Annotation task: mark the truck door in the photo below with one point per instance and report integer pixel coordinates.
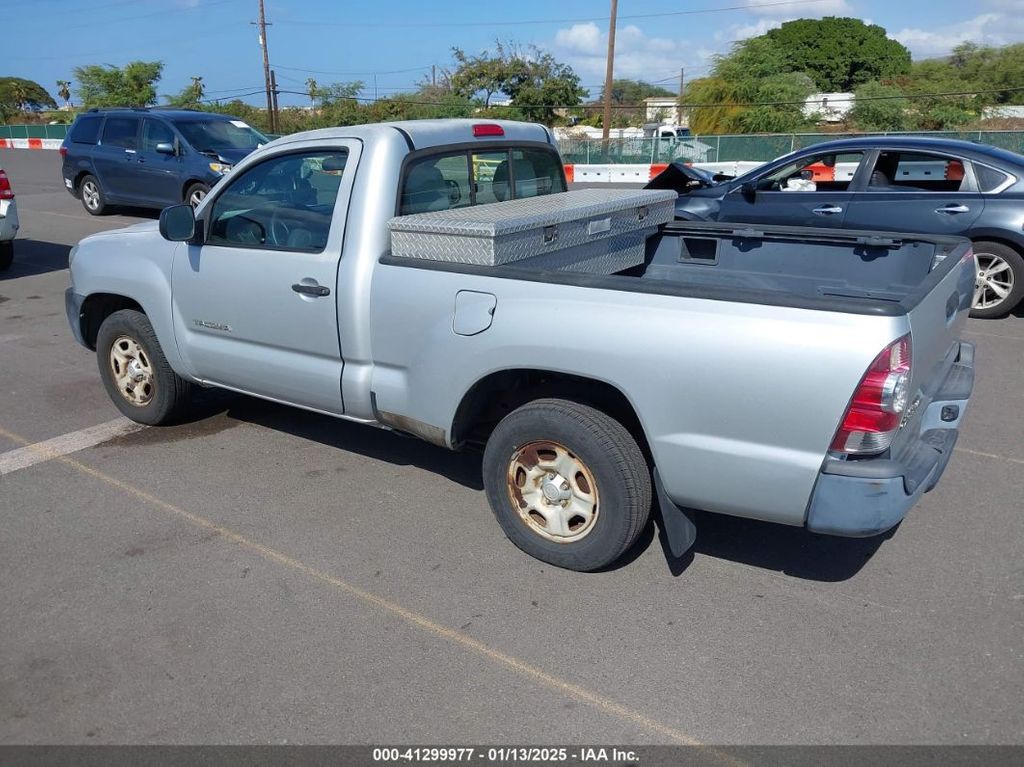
(255, 305)
(812, 190)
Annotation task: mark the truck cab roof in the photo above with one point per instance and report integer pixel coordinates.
(425, 134)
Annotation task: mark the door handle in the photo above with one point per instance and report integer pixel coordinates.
(827, 210)
(953, 209)
(311, 290)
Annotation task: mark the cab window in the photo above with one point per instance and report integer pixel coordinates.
(459, 179)
(284, 203)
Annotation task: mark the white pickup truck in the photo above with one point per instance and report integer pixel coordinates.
(436, 278)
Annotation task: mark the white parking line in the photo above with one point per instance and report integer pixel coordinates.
(30, 455)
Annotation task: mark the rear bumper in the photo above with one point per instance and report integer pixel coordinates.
(867, 497)
(8, 219)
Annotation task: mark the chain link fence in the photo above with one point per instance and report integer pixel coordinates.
(757, 148)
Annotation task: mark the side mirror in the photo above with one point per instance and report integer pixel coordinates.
(749, 191)
(178, 223)
(165, 147)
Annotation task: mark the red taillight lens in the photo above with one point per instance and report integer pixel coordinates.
(874, 414)
(63, 152)
(487, 129)
(6, 193)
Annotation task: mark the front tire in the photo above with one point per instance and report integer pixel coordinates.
(999, 285)
(195, 194)
(568, 484)
(6, 255)
(93, 199)
(136, 373)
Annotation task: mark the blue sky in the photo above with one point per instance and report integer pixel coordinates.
(391, 46)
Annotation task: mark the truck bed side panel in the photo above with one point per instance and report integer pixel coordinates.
(738, 401)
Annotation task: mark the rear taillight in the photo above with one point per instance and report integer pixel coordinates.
(63, 152)
(874, 414)
(487, 129)
(6, 193)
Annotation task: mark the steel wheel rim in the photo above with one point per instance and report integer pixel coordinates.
(133, 371)
(196, 197)
(993, 281)
(553, 491)
(90, 195)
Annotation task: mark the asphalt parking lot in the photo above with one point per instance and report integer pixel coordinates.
(269, 575)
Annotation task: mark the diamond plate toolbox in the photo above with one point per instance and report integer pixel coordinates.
(550, 231)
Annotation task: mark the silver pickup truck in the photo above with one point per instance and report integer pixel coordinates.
(806, 377)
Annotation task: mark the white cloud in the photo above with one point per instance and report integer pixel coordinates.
(986, 28)
(637, 55)
(800, 9)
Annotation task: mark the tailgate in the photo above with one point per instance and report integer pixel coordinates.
(937, 318)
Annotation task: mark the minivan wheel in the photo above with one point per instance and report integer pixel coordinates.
(567, 483)
(135, 372)
(195, 194)
(93, 199)
(999, 283)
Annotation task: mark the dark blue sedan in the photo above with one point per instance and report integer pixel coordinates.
(904, 184)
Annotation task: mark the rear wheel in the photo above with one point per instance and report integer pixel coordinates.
(6, 255)
(999, 283)
(568, 484)
(136, 373)
(93, 199)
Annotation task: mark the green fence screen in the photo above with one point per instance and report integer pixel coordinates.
(758, 148)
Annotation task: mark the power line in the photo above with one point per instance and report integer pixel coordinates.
(420, 24)
(330, 72)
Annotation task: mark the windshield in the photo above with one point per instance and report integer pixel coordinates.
(221, 135)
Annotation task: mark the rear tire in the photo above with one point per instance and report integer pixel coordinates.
(6, 255)
(999, 286)
(568, 484)
(136, 373)
(93, 199)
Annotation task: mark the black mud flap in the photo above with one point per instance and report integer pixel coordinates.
(676, 523)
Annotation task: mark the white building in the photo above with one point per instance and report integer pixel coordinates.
(1015, 112)
(665, 109)
(830, 107)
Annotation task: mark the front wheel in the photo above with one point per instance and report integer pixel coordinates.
(999, 283)
(568, 484)
(136, 373)
(195, 194)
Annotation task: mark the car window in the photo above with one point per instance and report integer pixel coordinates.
(916, 172)
(989, 179)
(221, 135)
(284, 203)
(86, 130)
(455, 180)
(155, 132)
(120, 132)
(827, 172)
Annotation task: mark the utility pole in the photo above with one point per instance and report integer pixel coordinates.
(262, 24)
(608, 75)
(433, 75)
(679, 108)
(273, 90)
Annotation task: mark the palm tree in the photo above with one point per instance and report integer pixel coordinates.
(64, 91)
(312, 89)
(198, 89)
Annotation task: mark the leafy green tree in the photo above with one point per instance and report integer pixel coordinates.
(534, 80)
(190, 96)
(133, 85)
(20, 95)
(839, 53)
(880, 107)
